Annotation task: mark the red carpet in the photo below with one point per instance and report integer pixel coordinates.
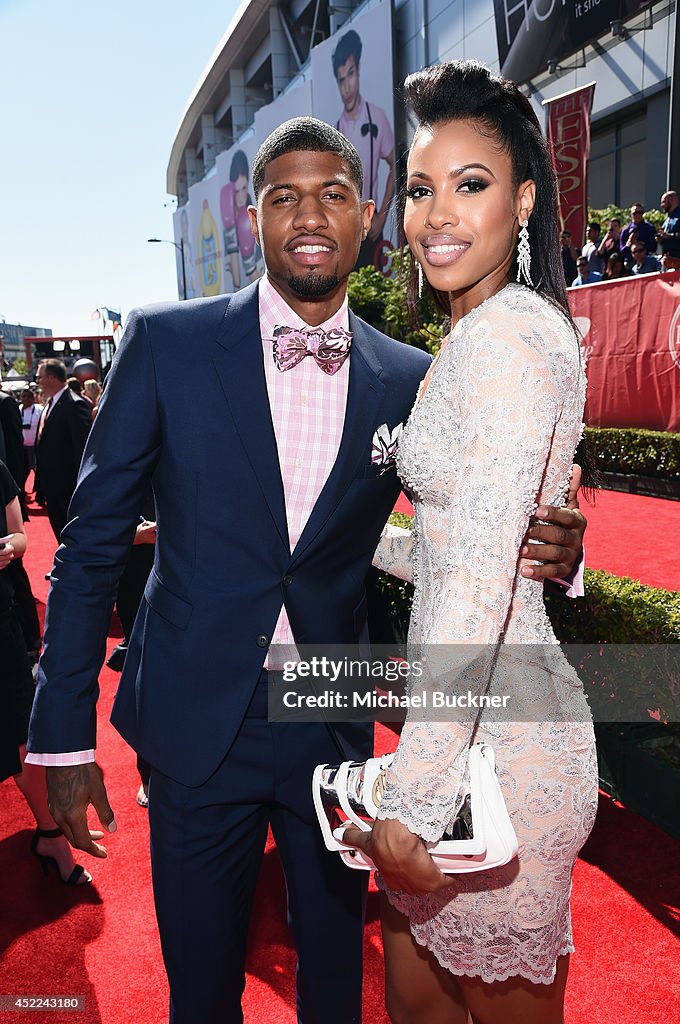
(628, 535)
(102, 943)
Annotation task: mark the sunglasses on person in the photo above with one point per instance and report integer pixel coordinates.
(638, 249)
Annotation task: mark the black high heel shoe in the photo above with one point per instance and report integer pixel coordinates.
(46, 860)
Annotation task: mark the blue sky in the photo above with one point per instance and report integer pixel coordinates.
(92, 95)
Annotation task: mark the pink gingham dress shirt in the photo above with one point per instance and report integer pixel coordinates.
(308, 413)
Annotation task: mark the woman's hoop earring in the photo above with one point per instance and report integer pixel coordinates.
(524, 256)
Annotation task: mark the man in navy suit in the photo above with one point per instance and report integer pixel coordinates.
(266, 530)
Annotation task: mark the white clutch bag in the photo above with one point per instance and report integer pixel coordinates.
(480, 837)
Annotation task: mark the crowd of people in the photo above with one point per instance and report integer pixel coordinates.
(625, 251)
(279, 554)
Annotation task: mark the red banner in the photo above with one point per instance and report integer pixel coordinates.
(631, 343)
(569, 138)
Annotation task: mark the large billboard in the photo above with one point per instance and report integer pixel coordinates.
(205, 249)
(294, 103)
(353, 90)
(532, 32)
(186, 282)
(242, 259)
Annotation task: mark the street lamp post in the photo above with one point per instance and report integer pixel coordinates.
(180, 246)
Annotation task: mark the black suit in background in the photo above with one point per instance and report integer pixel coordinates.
(58, 454)
(12, 442)
(12, 454)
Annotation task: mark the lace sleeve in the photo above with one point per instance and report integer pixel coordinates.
(506, 400)
(394, 553)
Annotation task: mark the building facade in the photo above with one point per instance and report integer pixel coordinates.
(267, 67)
(12, 340)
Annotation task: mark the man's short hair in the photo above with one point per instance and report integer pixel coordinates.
(306, 134)
(639, 244)
(54, 368)
(595, 225)
(348, 46)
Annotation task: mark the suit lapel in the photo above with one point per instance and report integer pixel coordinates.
(364, 397)
(238, 361)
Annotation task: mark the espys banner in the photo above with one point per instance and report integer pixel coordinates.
(532, 32)
(353, 90)
(569, 138)
(631, 344)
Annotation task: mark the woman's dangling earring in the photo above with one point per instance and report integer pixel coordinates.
(524, 256)
(420, 280)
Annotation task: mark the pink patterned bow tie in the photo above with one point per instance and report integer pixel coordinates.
(329, 349)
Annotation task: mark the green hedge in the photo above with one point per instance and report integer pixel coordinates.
(615, 609)
(635, 451)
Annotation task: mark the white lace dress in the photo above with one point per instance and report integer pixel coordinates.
(491, 437)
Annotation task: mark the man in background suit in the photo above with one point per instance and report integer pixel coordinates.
(62, 433)
(266, 529)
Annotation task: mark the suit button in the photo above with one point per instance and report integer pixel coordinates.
(287, 580)
(262, 641)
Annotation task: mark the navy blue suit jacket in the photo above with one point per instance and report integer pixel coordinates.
(222, 553)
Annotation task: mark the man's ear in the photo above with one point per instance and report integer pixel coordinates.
(254, 226)
(367, 211)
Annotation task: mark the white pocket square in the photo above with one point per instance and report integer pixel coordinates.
(385, 444)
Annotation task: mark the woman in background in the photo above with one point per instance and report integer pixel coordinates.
(16, 698)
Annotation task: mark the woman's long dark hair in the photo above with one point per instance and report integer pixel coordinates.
(465, 90)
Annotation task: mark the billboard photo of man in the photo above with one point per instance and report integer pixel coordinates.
(367, 126)
(240, 249)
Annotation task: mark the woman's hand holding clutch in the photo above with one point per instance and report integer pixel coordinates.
(400, 856)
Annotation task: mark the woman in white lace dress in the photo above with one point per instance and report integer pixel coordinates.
(490, 440)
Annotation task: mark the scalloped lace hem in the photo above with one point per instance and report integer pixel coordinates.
(488, 977)
(420, 830)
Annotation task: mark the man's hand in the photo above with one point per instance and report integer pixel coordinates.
(400, 856)
(145, 533)
(69, 792)
(561, 537)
